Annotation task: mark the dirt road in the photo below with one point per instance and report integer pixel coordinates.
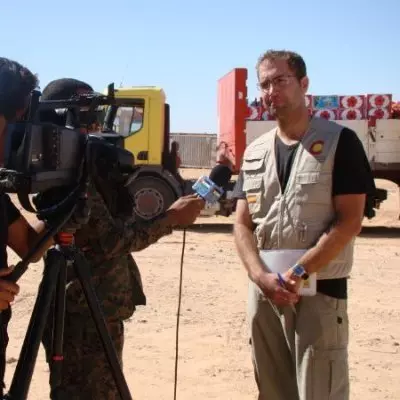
(214, 354)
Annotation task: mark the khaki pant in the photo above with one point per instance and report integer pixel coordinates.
(300, 356)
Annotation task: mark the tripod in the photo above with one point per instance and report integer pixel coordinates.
(52, 286)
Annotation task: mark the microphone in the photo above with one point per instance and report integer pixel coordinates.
(212, 188)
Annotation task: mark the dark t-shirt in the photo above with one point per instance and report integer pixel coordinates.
(351, 171)
(351, 175)
(9, 214)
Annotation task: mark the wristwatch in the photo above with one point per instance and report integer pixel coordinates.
(299, 271)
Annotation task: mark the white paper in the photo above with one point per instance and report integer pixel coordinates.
(281, 260)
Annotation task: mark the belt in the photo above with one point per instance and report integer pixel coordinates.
(336, 288)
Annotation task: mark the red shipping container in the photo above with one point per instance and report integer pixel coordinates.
(232, 112)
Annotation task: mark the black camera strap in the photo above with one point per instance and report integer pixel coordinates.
(16, 182)
(23, 198)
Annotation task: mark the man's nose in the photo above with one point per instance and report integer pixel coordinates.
(272, 89)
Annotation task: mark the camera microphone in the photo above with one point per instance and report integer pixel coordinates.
(212, 188)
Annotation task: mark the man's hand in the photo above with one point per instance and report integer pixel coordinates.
(8, 290)
(185, 210)
(292, 282)
(272, 289)
(267, 282)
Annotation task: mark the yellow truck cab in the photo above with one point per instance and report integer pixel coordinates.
(141, 116)
(140, 119)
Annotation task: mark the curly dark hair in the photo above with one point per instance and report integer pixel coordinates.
(61, 89)
(65, 88)
(295, 61)
(16, 85)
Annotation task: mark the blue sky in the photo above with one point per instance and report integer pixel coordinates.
(350, 47)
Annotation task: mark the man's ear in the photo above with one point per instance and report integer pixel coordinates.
(305, 83)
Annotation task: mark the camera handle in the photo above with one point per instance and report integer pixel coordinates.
(52, 287)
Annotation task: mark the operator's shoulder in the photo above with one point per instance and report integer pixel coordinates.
(259, 145)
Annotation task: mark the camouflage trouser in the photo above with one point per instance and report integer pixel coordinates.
(85, 372)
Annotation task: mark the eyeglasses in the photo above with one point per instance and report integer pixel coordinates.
(278, 82)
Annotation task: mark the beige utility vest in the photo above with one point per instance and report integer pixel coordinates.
(297, 218)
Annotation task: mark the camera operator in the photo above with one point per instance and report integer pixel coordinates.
(107, 244)
(16, 86)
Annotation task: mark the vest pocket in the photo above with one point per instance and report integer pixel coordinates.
(252, 183)
(252, 164)
(313, 188)
(253, 173)
(309, 232)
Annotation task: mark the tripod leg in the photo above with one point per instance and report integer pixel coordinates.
(19, 387)
(82, 272)
(58, 320)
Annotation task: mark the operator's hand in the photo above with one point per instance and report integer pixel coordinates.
(185, 210)
(273, 290)
(8, 290)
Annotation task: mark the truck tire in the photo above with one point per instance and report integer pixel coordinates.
(152, 196)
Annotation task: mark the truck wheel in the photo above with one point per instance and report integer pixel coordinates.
(152, 197)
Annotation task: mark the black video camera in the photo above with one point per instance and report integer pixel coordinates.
(57, 161)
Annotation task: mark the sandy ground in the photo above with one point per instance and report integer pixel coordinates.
(214, 358)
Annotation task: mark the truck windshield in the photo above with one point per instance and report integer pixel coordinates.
(125, 120)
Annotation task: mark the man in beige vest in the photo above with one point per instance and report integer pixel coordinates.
(303, 187)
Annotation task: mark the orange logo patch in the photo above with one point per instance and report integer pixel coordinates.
(251, 198)
(317, 147)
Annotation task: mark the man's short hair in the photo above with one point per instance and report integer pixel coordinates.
(16, 86)
(295, 61)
